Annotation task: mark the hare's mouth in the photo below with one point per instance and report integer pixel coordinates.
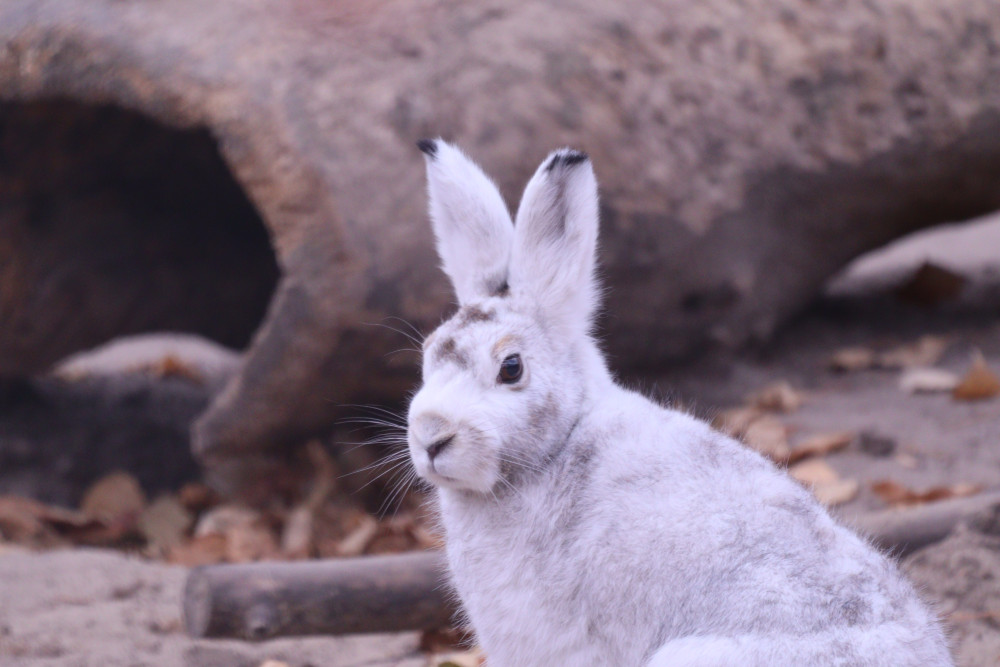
(439, 475)
(435, 477)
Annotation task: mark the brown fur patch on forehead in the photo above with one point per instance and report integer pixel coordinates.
(448, 351)
(472, 314)
(505, 342)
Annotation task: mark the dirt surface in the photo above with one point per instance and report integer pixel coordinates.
(960, 576)
(927, 439)
(84, 607)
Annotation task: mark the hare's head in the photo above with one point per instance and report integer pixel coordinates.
(507, 377)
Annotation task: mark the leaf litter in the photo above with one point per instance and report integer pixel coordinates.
(758, 427)
(195, 526)
(979, 382)
(894, 493)
(925, 351)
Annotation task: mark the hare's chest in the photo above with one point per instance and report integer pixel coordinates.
(519, 583)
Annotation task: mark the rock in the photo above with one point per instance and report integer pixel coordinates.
(148, 353)
(745, 155)
(966, 597)
(921, 380)
(876, 444)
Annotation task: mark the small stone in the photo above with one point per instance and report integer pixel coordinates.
(927, 380)
(876, 445)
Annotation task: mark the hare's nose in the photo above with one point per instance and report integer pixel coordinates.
(438, 446)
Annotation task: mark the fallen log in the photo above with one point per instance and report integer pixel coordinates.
(903, 531)
(292, 124)
(330, 597)
(410, 592)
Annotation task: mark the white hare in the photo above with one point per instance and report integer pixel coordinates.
(587, 525)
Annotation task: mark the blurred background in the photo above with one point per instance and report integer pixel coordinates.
(216, 267)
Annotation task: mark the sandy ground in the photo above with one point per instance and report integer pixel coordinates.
(87, 607)
(98, 608)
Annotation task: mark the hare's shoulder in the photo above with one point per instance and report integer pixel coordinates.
(636, 434)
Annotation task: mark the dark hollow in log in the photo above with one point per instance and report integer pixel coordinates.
(112, 223)
(334, 597)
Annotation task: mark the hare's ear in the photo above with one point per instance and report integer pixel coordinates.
(471, 224)
(555, 239)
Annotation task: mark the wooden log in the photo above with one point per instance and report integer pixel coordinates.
(903, 531)
(331, 597)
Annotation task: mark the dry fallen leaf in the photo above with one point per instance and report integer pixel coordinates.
(358, 540)
(836, 493)
(297, 536)
(21, 521)
(927, 380)
(925, 351)
(165, 523)
(202, 550)
(814, 471)
(38, 525)
(473, 658)
(61, 518)
(222, 518)
(116, 498)
(978, 383)
(736, 421)
(820, 444)
(247, 536)
(248, 543)
(757, 429)
(196, 497)
(824, 482)
(427, 539)
(852, 359)
(769, 436)
(779, 397)
(894, 493)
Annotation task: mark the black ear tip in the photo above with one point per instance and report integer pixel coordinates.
(568, 158)
(428, 147)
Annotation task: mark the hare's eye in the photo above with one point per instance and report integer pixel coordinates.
(510, 369)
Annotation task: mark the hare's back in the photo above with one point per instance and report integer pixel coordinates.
(712, 528)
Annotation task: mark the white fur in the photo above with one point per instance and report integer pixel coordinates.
(587, 525)
(470, 221)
